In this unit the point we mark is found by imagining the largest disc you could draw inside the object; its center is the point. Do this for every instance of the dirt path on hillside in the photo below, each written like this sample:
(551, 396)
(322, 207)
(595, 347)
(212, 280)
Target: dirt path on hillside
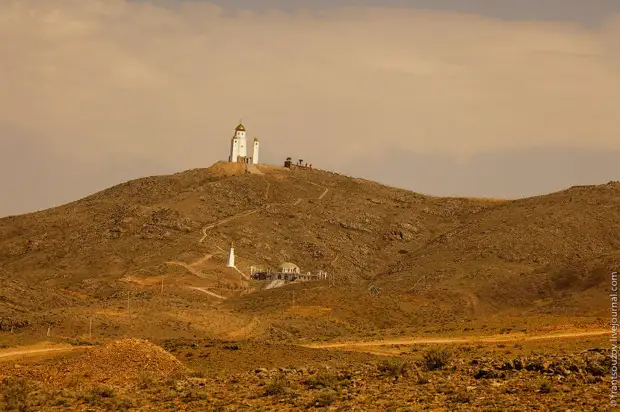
(228, 219)
(322, 187)
(208, 292)
(245, 331)
(201, 260)
(188, 268)
(36, 351)
(472, 299)
(463, 340)
(246, 277)
(267, 190)
(251, 212)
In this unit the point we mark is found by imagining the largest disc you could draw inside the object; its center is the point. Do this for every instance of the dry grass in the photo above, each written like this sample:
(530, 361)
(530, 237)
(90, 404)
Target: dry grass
(436, 358)
(547, 257)
(344, 381)
(15, 394)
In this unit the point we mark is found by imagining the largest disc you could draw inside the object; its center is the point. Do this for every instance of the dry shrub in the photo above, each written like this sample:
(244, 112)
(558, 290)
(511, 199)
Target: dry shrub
(423, 379)
(545, 386)
(436, 358)
(322, 380)
(277, 386)
(324, 399)
(15, 394)
(98, 395)
(461, 396)
(394, 368)
(145, 380)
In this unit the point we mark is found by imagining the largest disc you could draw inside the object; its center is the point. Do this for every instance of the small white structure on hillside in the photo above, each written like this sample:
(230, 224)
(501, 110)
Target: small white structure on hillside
(288, 267)
(231, 257)
(239, 147)
(255, 151)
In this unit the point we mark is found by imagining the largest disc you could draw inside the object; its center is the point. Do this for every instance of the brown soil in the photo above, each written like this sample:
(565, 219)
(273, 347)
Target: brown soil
(234, 376)
(146, 259)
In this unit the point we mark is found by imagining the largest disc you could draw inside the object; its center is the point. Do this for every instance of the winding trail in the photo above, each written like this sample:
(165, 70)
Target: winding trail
(463, 340)
(251, 212)
(246, 277)
(188, 268)
(322, 187)
(202, 260)
(226, 220)
(267, 190)
(472, 299)
(208, 292)
(335, 259)
(205, 234)
(245, 331)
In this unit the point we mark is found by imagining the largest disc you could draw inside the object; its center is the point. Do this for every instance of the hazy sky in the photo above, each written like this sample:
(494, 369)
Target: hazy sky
(492, 98)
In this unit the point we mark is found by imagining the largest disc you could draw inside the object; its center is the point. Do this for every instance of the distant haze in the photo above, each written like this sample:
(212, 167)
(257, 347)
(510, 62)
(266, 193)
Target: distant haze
(496, 98)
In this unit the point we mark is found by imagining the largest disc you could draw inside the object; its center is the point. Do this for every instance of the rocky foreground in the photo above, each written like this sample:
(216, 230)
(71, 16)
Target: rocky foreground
(138, 375)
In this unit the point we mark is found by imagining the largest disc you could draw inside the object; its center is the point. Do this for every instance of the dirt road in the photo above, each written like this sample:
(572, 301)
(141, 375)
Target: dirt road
(35, 351)
(463, 340)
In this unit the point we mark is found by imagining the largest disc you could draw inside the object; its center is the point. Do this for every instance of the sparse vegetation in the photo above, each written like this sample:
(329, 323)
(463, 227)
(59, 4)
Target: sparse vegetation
(15, 394)
(122, 262)
(145, 380)
(423, 379)
(324, 399)
(322, 380)
(98, 395)
(138, 225)
(277, 387)
(436, 358)
(545, 386)
(394, 368)
(313, 379)
(461, 396)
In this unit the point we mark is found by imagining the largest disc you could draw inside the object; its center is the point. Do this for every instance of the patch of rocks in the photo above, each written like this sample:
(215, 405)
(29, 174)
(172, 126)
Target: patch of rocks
(592, 363)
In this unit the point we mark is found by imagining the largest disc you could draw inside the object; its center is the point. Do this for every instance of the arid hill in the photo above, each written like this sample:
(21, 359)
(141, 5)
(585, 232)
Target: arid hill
(435, 259)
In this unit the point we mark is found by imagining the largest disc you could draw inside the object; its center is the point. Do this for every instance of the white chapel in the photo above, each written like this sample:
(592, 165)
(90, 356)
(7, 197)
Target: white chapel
(239, 147)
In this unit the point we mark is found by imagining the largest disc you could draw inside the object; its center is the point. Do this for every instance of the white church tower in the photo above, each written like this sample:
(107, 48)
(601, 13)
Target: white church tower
(238, 145)
(231, 257)
(255, 151)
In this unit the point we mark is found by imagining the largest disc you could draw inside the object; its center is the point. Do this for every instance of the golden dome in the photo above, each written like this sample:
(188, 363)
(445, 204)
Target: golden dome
(240, 128)
(256, 139)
